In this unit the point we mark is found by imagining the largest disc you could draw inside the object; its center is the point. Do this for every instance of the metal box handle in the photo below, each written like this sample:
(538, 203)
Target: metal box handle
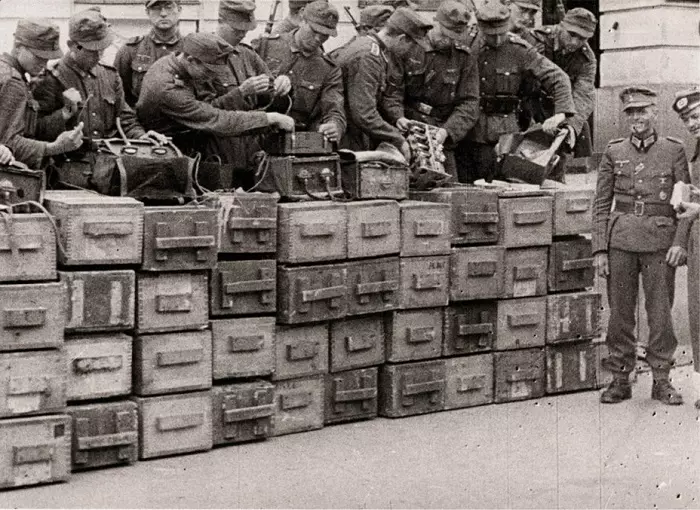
(577, 264)
(174, 303)
(296, 400)
(250, 286)
(471, 383)
(522, 375)
(375, 229)
(308, 296)
(531, 217)
(427, 281)
(302, 351)
(174, 243)
(577, 205)
(107, 441)
(245, 343)
(318, 229)
(24, 317)
(359, 343)
(427, 228)
(485, 328)
(420, 335)
(251, 223)
(97, 364)
(357, 395)
(479, 217)
(434, 386)
(248, 413)
(107, 228)
(179, 422)
(519, 320)
(184, 357)
(376, 287)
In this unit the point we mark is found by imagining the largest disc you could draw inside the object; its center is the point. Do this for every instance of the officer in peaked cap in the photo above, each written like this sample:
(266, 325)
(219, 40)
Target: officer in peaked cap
(566, 45)
(140, 52)
(504, 61)
(79, 78)
(317, 82)
(640, 234)
(439, 86)
(522, 17)
(687, 105)
(293, 20)
(36, 41)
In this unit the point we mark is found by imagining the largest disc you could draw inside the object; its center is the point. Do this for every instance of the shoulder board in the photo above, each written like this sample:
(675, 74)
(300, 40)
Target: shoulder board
(674, 139)
(375, 50)
(328, 58)
(246, 45)
(516, 39)
(107, 66)
(616, 140)
(462, 47)
(133, 41)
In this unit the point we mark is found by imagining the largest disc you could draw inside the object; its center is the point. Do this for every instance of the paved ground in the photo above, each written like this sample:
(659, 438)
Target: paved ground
(561, 452)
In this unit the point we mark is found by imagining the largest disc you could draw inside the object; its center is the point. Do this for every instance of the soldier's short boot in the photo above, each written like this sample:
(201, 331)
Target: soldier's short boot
(617, 391)
(663, 391)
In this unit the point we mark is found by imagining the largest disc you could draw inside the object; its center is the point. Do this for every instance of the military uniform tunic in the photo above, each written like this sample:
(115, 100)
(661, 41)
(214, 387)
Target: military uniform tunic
(136, 57)
(636, 234)
(19, 114)
(285, 26)
(365, 67)
(317, 83)
(694, 268)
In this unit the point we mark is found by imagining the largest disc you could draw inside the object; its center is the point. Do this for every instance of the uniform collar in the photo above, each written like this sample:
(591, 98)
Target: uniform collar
(644, 145)
(170, 42)
(70, 62)
(14, 63)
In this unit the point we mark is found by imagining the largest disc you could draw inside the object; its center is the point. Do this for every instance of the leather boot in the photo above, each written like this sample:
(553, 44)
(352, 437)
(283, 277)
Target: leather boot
(618, 390)
(663, 391)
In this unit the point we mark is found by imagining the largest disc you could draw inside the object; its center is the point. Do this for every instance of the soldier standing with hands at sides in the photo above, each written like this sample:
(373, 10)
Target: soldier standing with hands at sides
(36, 41)
(439, 83)
(317, 81)
(366, 69)
(687, 105)
(640, 235)
(504, 61)
(139, 53)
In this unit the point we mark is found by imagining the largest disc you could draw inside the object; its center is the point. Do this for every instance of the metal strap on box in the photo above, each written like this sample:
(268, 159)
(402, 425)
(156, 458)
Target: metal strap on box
(98, 364)
(245, 343)
(24, 317)
(464, 329)
(531, 217)
(428, 228)
(247, 413)
(179, 422)
(250, 286)
(107, 228)
(237, 223)
(184, 357)
(202, 241)
(356, 395)
(420, 388)
(577, 264)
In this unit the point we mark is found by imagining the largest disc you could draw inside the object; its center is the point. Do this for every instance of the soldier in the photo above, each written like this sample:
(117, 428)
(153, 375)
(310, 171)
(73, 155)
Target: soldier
(522, 17)
(566, 45)
(36, 41)
(687, 105)
(293, 20)
(440, 86)
(504, 59)
(365, 65)
(140, 52)
(80, 87)
(640, 235)
(372, 19)
(317, 82)
(178, 97)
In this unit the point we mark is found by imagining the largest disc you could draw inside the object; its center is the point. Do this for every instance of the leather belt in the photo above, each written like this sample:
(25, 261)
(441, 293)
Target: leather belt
(641, 208)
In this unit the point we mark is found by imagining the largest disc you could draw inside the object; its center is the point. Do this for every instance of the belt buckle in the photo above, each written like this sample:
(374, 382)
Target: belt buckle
(638, 208)
(425, 109)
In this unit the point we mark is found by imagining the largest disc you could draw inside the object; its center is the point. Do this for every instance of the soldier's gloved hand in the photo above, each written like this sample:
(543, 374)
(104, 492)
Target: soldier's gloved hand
(6, 157)
(255, 85)
(676, 256)
(551, 125)
(600, 262)
(156, 137)
(280, 121)
(66, 142)
(403, 124)
(441, 135)
(282, 85)
(330, 130)
(688, 211)
(71, 103)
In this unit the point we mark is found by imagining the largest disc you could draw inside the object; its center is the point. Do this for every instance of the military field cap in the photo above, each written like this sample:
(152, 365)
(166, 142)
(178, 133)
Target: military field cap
(529, 4)
(208, 48)
(453, 17)
(375, 15)
(410, 23)
(299, 3)
(40, 36)
(240, 14)
(322, 17)
(580, 21)
(152, 3)
(90, 29)
(686, 100)
(637, 97)
(493, 17)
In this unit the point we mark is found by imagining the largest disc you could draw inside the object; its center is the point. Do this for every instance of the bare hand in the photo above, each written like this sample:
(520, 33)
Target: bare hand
(441, 136)
(280, 121)
(66, 142)
(403, 123)
(551, 125)
(71, 103)
(600, 262)
(676, 256)
(6, 157)
(688, 211)
(330, 130)
(406, 151)
(156, 137)
(255, 85)
(282, 85)
(570, 137)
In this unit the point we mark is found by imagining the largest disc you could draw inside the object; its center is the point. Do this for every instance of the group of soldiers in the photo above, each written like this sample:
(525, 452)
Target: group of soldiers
(467, 72)
(476, 74)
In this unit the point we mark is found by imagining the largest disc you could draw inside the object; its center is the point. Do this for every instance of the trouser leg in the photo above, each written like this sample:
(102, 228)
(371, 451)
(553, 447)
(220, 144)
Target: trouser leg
(659, 279)
(623, 289)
